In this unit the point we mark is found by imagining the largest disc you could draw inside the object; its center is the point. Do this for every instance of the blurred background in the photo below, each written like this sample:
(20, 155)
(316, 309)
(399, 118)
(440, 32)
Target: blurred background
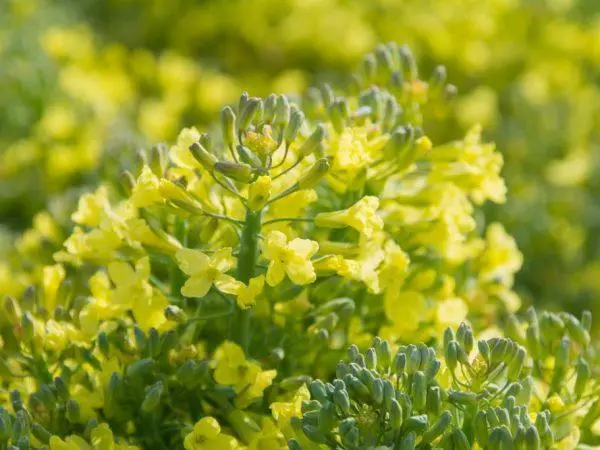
(84, 84)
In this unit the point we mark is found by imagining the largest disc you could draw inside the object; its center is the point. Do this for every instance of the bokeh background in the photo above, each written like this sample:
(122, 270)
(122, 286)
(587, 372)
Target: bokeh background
(84, 84)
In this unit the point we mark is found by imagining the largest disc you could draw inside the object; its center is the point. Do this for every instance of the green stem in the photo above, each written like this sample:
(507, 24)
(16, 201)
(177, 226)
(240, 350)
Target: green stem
(247, 259)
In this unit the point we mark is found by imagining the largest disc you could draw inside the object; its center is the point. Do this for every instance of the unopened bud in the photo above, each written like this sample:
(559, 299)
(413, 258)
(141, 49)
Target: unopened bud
(228, 127)
(201, 155)
(269, 108)
(235, 171)
(438, 428)
(153, 396)
(419, 391)
(314, 174)
(282, 112)
(252, 109)
(311, 144)
(296, 122)
(72, 412)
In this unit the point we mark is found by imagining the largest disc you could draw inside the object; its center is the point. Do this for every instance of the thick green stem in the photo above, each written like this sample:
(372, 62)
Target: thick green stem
(247, 259)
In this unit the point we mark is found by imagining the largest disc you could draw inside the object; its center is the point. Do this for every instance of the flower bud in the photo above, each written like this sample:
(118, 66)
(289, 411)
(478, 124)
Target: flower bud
(371, 359)
(450, 93)
(175, 314)
(586, 320)
(342, 400)
(12, 312)
(462, 398)
(583, 375)
(464, 336)
(21, 426)
(419, 391)
(201, 155)
(296, 122)
(326, 416)
(417, 423)
(313, 433)
(314, 174)
(318, 390)
(480, 427)
(27, 326)
(247, 156)
(400, 363)
(532, 438)
(282, 112)
(484, 350)
(62, 389)
(385, 63)
(438, 428)
(434, 400)
(396, 415)
(269, 108)
(516, 364)
(293, 444)
(47, 397)
(369, 68)
(72, 411)
(327, 94)
(228, 127)
(576, 330)
(561, 363)
(40, 433)
(451, 355)
(408, 63)
(251, 110)
(413, 362)
(153, 397)
(235, 171)
(533, 335)
(312, 142)
(377, 391)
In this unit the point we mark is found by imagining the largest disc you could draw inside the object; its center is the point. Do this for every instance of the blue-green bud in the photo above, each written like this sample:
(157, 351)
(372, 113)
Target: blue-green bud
(377, 391)
(576, 330)
(40, 433)
(484, 350)
(419, 391)
(61, 388)
(408, 442)
(318, 390)
(459, 440)
(516, 364)
(369, 68)
(438, 428)
(293, 444)
(153, 397)
(342, 400)
(451, 355)
(235, 171)
(396, 415)
(326, 416)
(313, 433)
(586, 320)
(481, 429)
(417, 424)
(400, 363)
(408, 63)
(72, 411)
(250, 112)
(389, 394)
(311, 144)
(583, 375)
(462, 398)
(532, 438)
(434, 400)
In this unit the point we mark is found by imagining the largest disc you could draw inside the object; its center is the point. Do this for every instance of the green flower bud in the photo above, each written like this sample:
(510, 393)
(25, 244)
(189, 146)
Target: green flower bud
(438, 428)
(408, 442)
(371, 359)
(247, 156)
(434, 400)
(140, 368)
(314, 174)
(583, 375)
(61, 388)
(12, 311)
(576, 330)
(377, 391)
(153, 397)
(465, 337)
(396, 415)
(417, 424)
(484, 350)
(296, 122)
(174, 313)
(419, 391)
(353, 353)
(369, 67)
(385, 62)
(561, 363)
(450, 93)
(201, 155)
(327, 94)
(534, 344)
(312, 142)
(503, 416)
(586, 320)
(451, 355)
(336, 116)
(342, 400)
(72, 411)
(21, 426)
(480, 426)
(499, 350)
(516, 364)
(547, 437)
(413, 362)
(532, 438)
(326, 416)
(293, 444)
(359, 387)
(352, 438)
(15, 400)
(235, 171)
(310, 405)
(27, 326)
(438, 80)
(459, 440)
(47, 397)
(520, 440)
(462, 398)
(294, 383)
(5, 428)
(153, 343)
(400, 363)
(168, 342)
(40, 433)
(252, 109)
(227, 127)
(347, 425)
(500, 438)
(159, 159)
(269, 108)
(282, 112)
(22, 444)
(318, 390)
(313, 433)
(408, 63)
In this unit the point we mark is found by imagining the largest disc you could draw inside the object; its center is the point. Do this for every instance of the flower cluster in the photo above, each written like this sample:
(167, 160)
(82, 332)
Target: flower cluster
(199, 298)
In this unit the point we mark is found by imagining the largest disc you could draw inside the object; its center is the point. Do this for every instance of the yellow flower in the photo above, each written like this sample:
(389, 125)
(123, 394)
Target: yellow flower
(362, 216)
(146, 192)
(233, 369)
(246, 295)
(70, 443)
(291, 258)
(501, 258)
(139, 230)
(204, 271)
(53, 277)
(133, 292)
(207, 435)
(180, 153)
(91, 208)
(259, 193)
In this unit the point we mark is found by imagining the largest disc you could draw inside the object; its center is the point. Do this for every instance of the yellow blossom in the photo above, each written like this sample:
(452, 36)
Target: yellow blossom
(291, 258)
(451, 312)
(207, 435)
(53, 277)
(246, 295)
(204, 271)
(259, 193)
(146, 192)
(362, 216)
(91, 208)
